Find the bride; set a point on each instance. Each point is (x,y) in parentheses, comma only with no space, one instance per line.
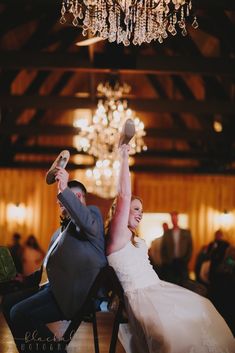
(163,317)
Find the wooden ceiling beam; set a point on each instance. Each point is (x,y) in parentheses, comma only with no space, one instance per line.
(177,118)
(225,25)
(156,133)
(63,81)
(217,4)
(152,154)
(190,154)
(33,88)
(210,25)
(182,170)
(142,65)
(205,120)
(144,105)
(19,12)
(214,90)
(213,86)
(46,149)
(40,130)
(135,168)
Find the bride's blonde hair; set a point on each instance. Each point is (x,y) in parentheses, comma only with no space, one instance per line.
(110,216)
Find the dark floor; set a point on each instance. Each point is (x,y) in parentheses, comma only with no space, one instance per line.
(82,341)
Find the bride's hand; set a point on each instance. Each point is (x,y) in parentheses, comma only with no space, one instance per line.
(124,151)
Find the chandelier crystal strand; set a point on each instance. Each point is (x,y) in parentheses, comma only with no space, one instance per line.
(129,21)
(99,137)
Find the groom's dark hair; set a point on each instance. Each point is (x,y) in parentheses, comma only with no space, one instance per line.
(76,184)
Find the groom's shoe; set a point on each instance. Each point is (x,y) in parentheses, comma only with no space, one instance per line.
(128,131)
(61,161)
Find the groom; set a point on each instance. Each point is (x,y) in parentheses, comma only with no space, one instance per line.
(75,257)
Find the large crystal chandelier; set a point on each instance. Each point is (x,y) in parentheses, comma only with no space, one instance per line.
(99,137)
(126,21)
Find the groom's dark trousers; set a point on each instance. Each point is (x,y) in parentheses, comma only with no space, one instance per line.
(27,313)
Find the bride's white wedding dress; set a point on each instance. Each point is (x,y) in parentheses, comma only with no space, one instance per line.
(163,317)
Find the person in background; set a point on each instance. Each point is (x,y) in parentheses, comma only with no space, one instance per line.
(222,287)
(32,255)
(202,257)
(216,251)
(176,251)
(16,250)
(165,227)
(155,251)
(210,257)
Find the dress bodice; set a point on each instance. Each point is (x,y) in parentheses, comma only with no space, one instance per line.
(132,266)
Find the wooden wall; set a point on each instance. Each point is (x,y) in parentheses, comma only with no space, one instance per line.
(203,198)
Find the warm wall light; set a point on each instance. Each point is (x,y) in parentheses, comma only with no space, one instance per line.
(217,123)
(16,213)
(226,220)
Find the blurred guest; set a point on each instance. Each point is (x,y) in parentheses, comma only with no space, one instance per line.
(155,251)
(205,267)
(218,243)
(202,257)
(32,255)
(176,251)
(165,227)
(216,250)
(16,251)
(222,287)
(205,272)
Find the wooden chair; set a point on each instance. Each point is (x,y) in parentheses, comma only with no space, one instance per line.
(119,312)
(106,282)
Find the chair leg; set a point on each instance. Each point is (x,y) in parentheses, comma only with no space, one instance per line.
(113,343)
(71,329)
(95,333)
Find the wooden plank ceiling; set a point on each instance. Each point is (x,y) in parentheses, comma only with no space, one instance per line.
(178,88)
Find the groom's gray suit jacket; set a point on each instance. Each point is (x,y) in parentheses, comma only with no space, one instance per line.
(77,259)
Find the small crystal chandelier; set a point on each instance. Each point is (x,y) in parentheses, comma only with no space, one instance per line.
(129,21)
(99,137)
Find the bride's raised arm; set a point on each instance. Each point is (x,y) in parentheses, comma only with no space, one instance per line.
(124,180)
(118,228)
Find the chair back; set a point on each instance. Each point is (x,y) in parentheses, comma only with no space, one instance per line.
(105,287)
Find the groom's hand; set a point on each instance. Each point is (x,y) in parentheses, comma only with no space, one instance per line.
(62,178)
